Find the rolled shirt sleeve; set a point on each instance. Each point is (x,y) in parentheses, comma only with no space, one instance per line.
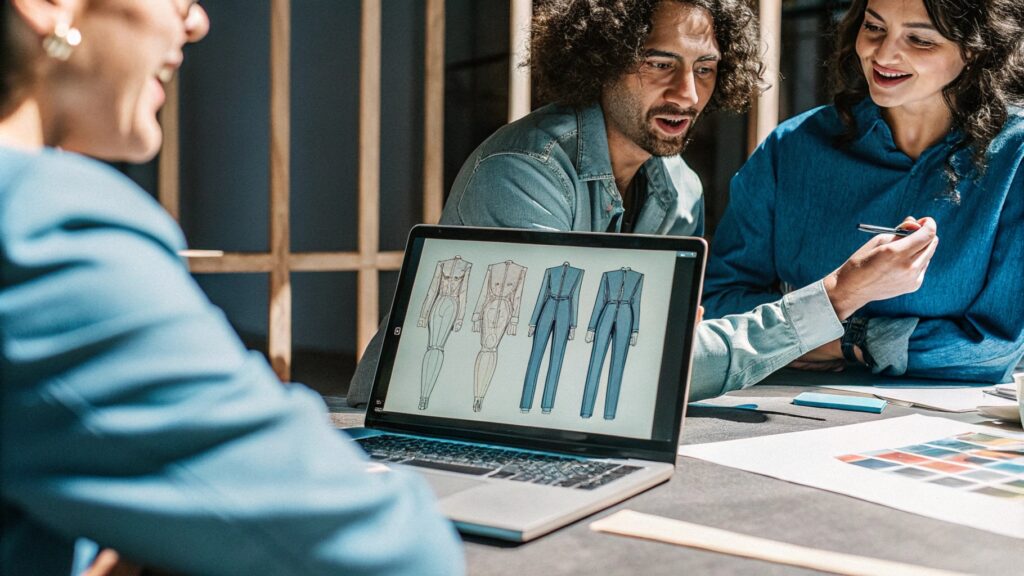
(740,350)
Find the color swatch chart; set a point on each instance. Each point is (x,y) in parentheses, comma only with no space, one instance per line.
(975,462)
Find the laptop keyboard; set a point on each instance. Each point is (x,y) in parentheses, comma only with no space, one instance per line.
(477,460)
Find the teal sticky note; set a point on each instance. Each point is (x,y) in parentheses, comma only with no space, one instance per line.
(840,402)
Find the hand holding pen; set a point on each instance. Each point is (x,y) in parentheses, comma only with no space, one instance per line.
(907,227)
(891,263)
(886,266)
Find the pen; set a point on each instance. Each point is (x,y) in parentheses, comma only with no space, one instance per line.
(872,229)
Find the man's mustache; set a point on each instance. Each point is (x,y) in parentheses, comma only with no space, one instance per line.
(668,109)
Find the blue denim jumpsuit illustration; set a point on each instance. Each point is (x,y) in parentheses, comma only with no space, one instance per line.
(497,314)
(614,323)
(443,310)
(554,318)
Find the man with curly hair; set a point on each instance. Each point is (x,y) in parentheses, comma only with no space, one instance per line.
(627,81)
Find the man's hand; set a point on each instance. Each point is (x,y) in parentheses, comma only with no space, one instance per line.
(825,366)
(885,267)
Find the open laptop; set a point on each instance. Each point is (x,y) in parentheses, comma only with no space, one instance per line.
(535,377)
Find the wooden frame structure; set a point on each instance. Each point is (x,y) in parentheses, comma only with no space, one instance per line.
(765,115)
(368,261)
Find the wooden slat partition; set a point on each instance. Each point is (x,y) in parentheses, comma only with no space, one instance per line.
(433,112)
(765,115)
(520,13)
(368,261)
(279,346)
(368,288)
(168,172)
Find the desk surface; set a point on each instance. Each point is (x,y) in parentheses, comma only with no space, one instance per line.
(744,502)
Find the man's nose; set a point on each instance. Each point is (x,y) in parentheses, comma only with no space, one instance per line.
(683,90)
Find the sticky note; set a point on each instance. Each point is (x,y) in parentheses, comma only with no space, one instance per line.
(840,402)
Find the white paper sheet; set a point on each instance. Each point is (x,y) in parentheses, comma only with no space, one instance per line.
(811,458)
(945,399)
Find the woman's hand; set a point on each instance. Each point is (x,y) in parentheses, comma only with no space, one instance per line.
(885,267)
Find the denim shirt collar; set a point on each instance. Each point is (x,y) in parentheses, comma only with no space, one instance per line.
(868,116)
(594,162)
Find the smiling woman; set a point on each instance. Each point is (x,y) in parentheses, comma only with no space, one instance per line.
(959,60)
(130,413)
(103,101)
(926,120)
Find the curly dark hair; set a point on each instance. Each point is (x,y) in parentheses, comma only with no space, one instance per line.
(990,35)
(579,46)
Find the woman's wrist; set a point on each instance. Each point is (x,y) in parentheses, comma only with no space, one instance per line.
(843,303)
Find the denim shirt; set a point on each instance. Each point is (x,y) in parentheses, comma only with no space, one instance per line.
(551,170)
(793,216)
(131,414)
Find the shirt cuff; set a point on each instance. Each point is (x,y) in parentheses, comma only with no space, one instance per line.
(888,341)
(811,314)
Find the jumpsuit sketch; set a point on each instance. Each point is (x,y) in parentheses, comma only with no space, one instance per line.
(443,310)
(615,322)
(554,318)
(497,314)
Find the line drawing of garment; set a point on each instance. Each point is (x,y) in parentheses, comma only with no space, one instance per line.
(497,314)
(443,310)
(554,319)
(614,323)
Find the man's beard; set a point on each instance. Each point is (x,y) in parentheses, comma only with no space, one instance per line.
(656,144)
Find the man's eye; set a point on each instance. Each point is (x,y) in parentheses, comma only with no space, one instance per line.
(705,71)
(659,65)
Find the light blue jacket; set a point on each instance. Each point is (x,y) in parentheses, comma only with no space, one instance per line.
(132,416)
(551,170)
(793,215)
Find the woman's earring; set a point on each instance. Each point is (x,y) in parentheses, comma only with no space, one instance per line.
(60,43)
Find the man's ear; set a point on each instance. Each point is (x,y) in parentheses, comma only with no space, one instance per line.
(42,16)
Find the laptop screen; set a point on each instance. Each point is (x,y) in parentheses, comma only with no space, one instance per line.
(578,339)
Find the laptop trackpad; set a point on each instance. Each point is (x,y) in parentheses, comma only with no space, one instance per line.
(447,484)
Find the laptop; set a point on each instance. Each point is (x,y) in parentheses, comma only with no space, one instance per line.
(535,377)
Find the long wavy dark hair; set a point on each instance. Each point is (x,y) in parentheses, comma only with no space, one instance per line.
(990,35)
(578,46)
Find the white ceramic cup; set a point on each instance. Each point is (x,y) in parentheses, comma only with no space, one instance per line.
(1019,379)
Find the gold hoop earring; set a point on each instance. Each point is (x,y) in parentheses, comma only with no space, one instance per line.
(60,43)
